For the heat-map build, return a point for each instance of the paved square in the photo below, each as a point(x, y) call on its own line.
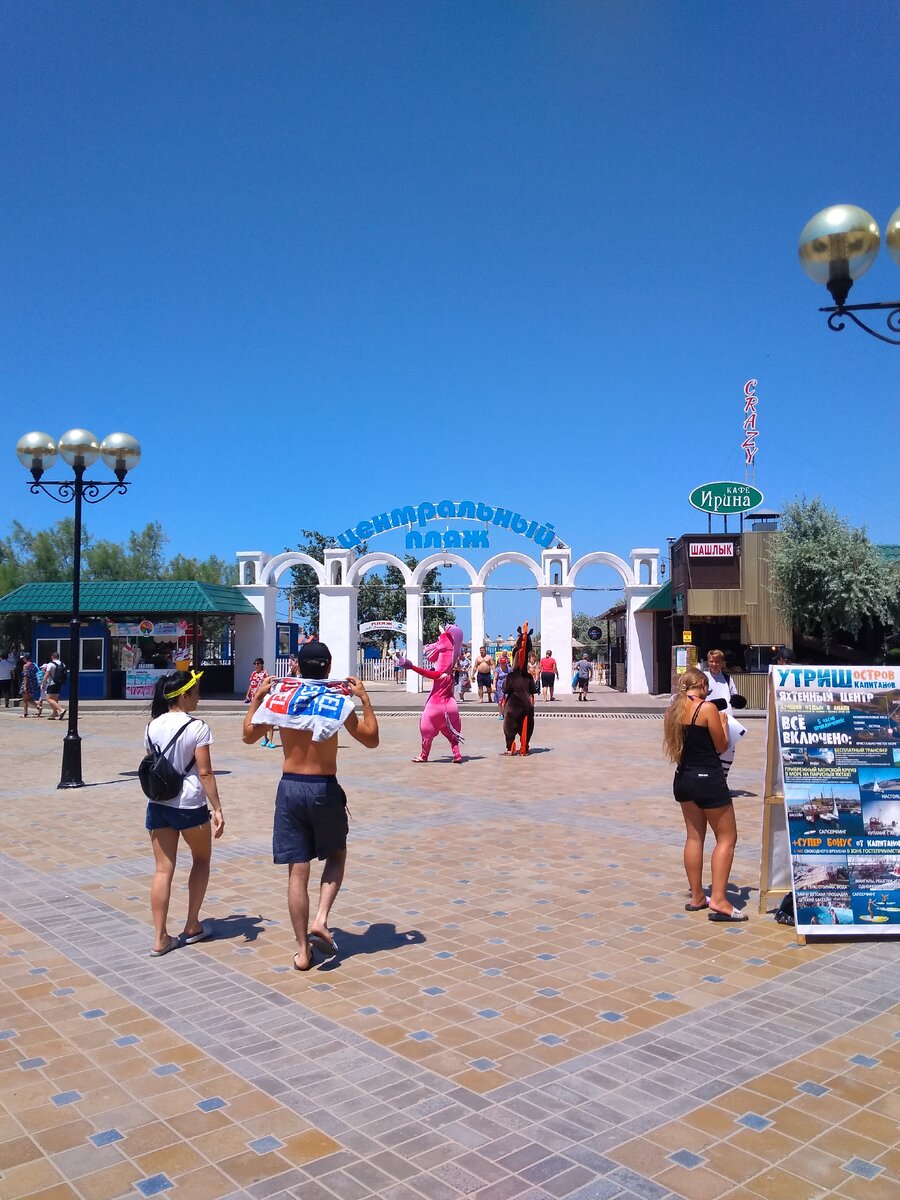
point(521, 1006)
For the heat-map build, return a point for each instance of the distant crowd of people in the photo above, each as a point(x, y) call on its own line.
point(489, 676)
point(33, 685)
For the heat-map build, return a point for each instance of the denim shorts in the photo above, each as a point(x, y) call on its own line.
point(166, 816)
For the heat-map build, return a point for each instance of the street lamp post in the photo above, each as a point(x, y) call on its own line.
point(837, 246)
point(79, 449)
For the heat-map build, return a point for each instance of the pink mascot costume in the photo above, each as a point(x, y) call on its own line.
point(440, 714)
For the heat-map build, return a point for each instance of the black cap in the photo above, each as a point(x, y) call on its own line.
point(313, 652)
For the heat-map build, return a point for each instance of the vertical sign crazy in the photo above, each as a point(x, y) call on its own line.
point(751, 433)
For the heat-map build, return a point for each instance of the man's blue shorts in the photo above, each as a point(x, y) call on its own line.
point(310, 818)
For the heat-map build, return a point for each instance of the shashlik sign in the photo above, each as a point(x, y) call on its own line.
point(838, 739)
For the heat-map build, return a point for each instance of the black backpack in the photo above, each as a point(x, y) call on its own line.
point(60, 673)
point(784, 913)
point(160, 779)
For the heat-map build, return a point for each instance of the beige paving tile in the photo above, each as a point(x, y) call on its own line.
point(410, 876)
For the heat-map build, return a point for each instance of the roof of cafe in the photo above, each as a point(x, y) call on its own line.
point(179, 597)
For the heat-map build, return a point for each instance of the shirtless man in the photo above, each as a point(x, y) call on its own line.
point(484, 666)
point(310, 806)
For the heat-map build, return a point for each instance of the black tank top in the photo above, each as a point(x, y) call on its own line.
point(698, 752)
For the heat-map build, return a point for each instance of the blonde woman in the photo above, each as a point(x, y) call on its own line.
point(694, 737)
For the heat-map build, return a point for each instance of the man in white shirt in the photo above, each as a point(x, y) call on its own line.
point(721, 687)
point(7, 667)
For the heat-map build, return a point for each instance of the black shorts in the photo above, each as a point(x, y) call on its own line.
point(706, 789)
point(583, 681)
point(547, 679)
point(483, 679)
point(310, 818)
point(53, 689)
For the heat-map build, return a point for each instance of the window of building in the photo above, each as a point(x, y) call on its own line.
point(48, 646)
point(92, 654)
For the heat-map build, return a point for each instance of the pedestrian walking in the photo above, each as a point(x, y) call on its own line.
point(30, 688)
point(187, 816)
point(310, 805)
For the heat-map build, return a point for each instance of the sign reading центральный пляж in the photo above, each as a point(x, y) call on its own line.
point(544, 535)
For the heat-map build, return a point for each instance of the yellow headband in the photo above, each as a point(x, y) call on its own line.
point(196, 676)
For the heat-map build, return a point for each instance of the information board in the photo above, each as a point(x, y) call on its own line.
point(837, 741)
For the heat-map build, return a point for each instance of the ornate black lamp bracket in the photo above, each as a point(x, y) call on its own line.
point(63, 491)
point(892, 319)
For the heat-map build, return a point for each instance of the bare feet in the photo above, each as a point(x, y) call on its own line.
point(309, 962)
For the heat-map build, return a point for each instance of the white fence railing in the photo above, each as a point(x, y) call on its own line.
point(369, 670)
point(379, 670)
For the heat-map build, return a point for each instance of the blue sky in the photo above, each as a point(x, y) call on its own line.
point(324, 259)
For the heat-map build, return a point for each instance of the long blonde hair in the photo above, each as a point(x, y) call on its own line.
point(673, 725)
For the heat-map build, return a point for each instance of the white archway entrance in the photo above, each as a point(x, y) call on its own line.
point(338, 580)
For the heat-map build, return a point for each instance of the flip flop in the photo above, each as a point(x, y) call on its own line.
point(734, 915)
point(205, 932)
point(308, 967)
point(325, 945)
point(696, 907)
point(174, 943)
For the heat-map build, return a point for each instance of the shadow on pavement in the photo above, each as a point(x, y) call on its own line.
point(234, 926)
point(379, 937)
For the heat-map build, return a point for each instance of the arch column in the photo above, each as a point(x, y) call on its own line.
point(556, 631)
point(476, 598)
point(337, 564)
point(413, 632)
point(254, 637)
point(638, 639)
point(337, 627)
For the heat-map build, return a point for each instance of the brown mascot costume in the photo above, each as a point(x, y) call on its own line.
point(518, 694)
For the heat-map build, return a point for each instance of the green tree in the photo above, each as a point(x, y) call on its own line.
point(304, 590)
point(146, 557)
point(204, 570)
point(581, 623)
point(827, 576)
point(46, 556)
point(106, 560)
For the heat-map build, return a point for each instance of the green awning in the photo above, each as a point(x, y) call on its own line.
point(178, 597)
point(660, 601)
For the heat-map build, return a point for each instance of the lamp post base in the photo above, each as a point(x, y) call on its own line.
point(71, 763)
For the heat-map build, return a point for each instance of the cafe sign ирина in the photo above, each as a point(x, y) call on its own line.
point(724, 498)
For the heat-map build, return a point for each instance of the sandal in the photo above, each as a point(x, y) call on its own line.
point(734, 915)
point(324, 943)
point(174, 943)
point(309, 966)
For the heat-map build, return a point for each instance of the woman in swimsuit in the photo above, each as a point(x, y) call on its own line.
point(694, 737)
